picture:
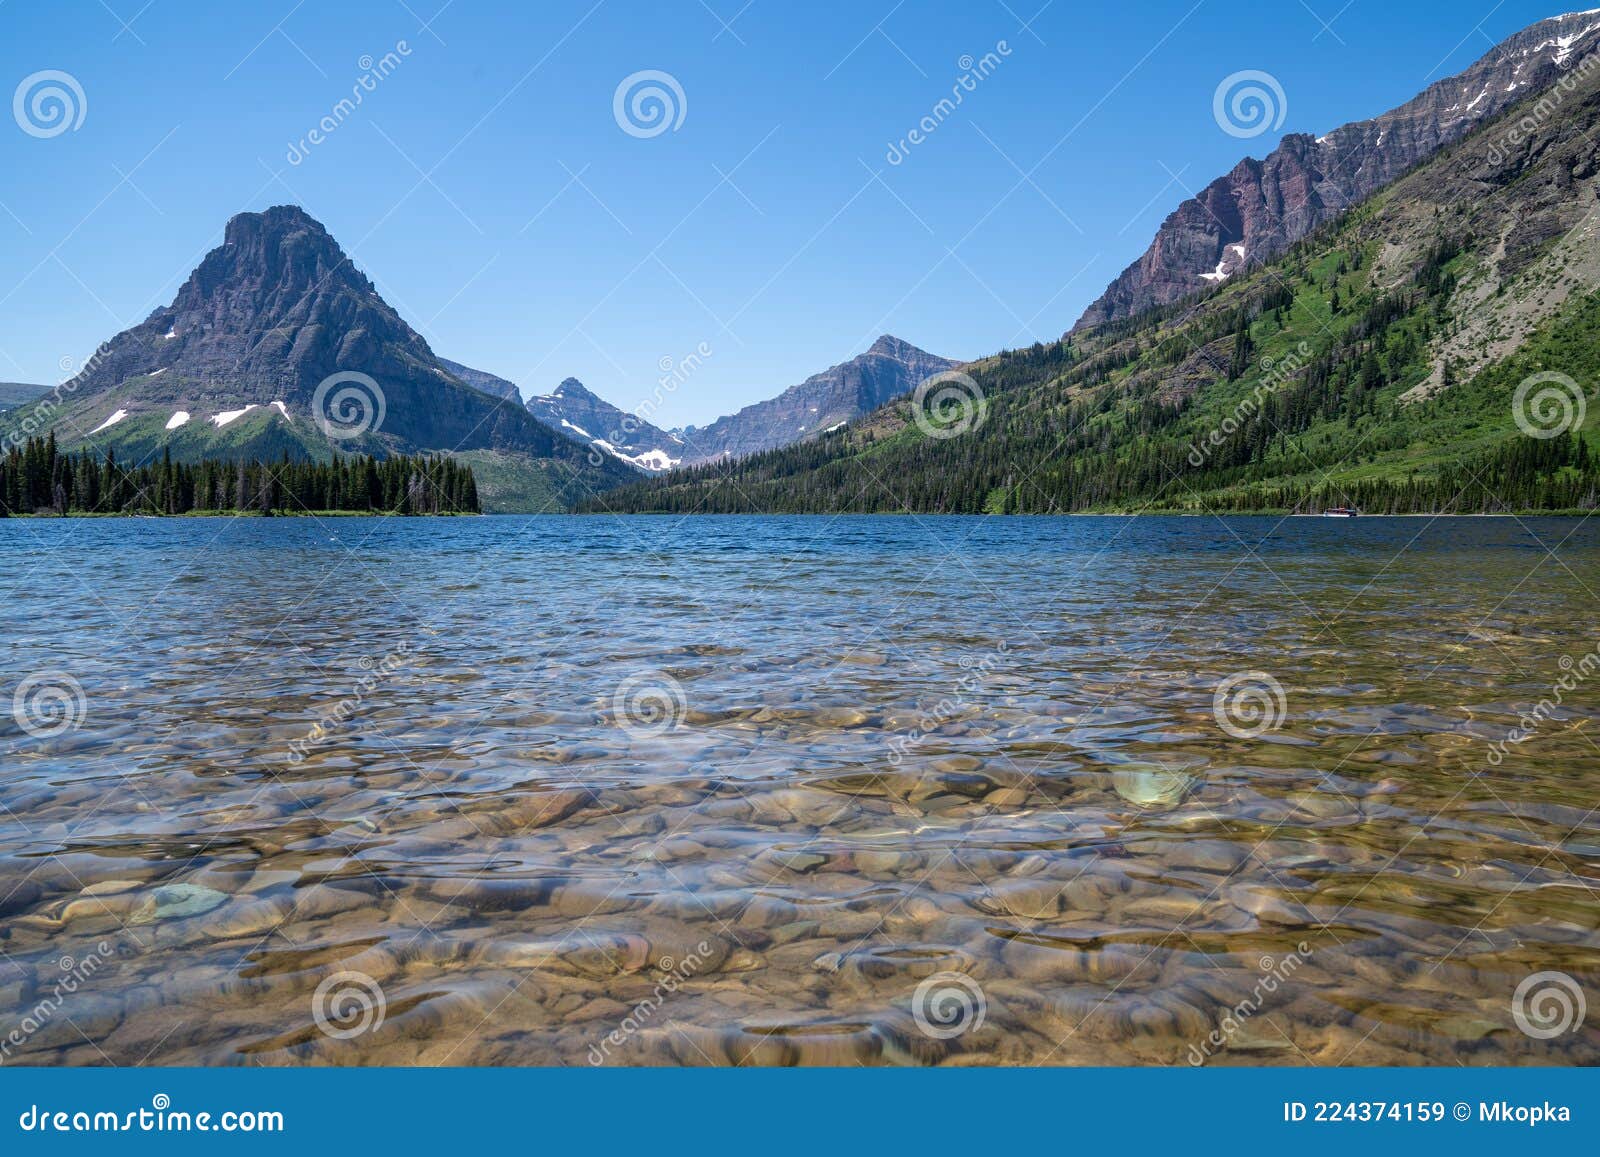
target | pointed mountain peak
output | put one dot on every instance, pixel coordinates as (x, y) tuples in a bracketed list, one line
[(573, 389), (278, 220), (247, 355), (275, 267), (898, 348), (585, 417)]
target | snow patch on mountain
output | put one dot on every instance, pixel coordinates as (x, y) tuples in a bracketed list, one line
[(111, 421), (228, 416)]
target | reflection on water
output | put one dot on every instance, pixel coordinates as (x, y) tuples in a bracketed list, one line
[(779, 791)]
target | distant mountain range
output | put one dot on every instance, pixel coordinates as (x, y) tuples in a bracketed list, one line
[(822, 402), (1255, 212), (1374, 286), (13, 394), (582, 414), (1434, 349), (278, 344)]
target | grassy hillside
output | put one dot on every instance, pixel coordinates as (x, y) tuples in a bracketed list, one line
[(1376, 364)]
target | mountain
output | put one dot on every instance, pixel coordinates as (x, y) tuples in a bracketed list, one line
[(821, 403), (1430, 350), (1255, 212), (574, 412), (253, 341), (14, 394), (486, 382), (581, 414)]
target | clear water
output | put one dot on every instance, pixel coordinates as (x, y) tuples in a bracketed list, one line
[(873, 791)]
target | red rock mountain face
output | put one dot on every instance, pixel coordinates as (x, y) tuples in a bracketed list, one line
[(1262, 207)]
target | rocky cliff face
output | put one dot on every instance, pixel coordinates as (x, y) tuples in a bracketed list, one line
[(1262, 207), (822, 402), (273, 312), (581, 414), (234, 366)]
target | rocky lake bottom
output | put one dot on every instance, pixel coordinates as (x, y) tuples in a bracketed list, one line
[(776, 791)]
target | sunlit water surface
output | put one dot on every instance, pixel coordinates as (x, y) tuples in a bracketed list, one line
[(874, 791)]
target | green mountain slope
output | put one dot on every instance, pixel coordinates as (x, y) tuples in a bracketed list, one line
[(1377, 364)]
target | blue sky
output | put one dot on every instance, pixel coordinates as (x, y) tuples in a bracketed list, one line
[(487, 187)]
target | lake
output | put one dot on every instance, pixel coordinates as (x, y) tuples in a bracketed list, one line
[(864, 790)]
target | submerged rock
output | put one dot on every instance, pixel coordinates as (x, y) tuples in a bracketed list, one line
[(174, 902), (1152, 785)]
